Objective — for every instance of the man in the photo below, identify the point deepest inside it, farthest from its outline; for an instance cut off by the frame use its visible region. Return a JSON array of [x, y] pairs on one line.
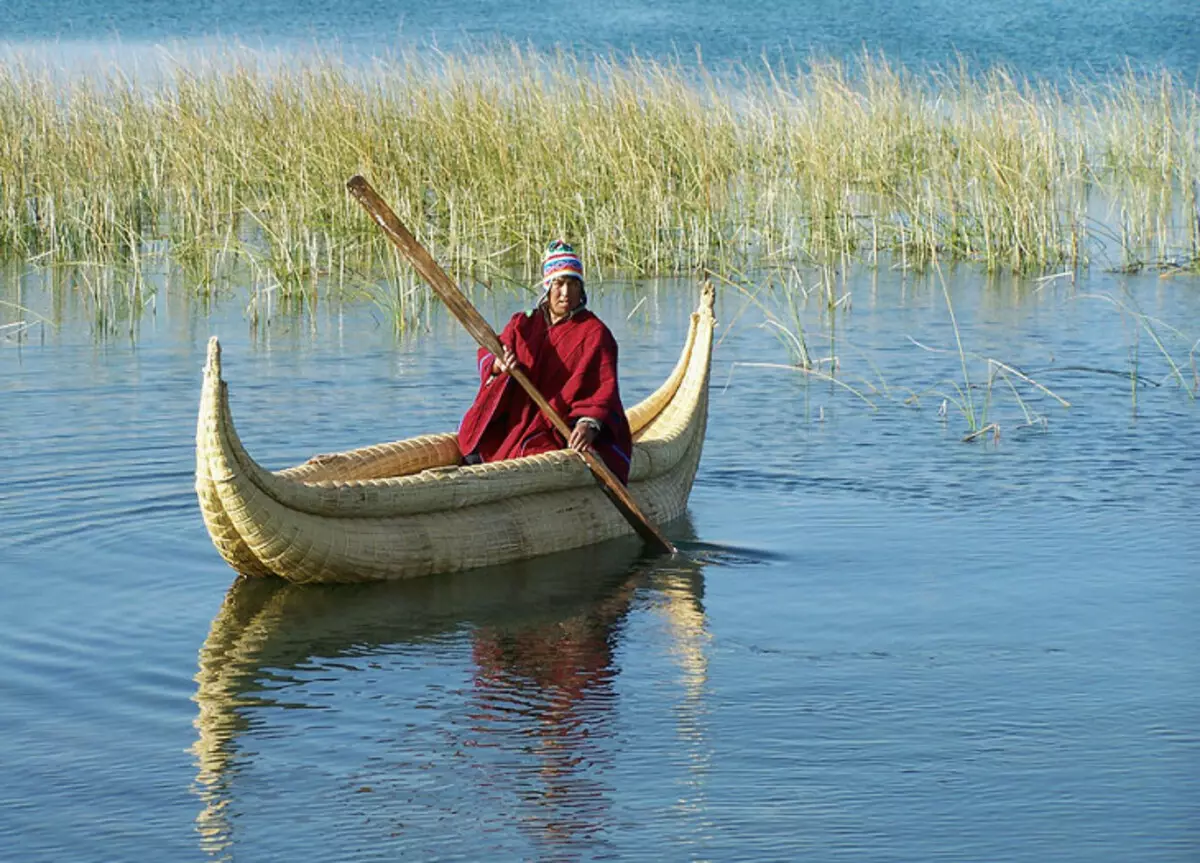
[[571, 357]]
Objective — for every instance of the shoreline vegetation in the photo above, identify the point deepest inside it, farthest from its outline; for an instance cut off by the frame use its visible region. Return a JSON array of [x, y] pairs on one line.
[[233, 173]]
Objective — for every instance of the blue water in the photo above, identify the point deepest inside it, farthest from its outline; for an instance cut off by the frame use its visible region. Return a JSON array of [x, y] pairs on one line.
[[1046, 38], [880, 643]]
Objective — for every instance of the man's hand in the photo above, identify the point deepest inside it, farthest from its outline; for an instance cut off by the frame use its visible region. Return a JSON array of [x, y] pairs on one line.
[[502, 364], [582, 436]]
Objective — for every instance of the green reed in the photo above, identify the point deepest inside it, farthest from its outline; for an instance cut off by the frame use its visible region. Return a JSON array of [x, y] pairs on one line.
[[649, 167], [978, 416], [1169, 342]]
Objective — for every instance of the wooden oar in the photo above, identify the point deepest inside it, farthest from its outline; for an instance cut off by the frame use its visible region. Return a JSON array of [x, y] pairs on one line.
[[482, 332]]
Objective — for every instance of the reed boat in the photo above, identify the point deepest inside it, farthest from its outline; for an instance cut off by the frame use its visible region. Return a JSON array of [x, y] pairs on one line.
[[409, 508]]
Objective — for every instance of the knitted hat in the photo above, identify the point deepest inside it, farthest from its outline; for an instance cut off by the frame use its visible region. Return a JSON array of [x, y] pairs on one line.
[[560, 260]]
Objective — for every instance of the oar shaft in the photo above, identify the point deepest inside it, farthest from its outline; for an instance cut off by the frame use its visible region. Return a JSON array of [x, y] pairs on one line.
[[423, 263], [609, 483], [458, 304]]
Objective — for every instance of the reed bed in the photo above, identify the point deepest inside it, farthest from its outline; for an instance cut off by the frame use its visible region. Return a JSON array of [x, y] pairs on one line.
[[650, 167]]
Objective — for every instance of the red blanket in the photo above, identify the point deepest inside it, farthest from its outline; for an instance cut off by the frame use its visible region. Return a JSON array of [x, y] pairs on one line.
[[574, 365]]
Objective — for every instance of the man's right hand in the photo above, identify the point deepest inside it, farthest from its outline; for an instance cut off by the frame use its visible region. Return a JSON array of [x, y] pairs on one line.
[[502, 364]]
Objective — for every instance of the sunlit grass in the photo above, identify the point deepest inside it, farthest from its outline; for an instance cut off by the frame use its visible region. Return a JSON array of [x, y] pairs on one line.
[[648, 167]]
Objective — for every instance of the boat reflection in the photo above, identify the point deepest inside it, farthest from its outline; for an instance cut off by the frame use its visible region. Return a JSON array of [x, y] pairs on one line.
[[539, 640]]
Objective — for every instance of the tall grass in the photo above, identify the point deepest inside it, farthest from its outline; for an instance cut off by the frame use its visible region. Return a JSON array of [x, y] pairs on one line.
[[649, 167]]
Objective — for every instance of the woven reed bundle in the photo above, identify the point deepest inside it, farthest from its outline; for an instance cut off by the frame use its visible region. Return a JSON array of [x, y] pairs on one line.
[[398, 458], [404, 509]]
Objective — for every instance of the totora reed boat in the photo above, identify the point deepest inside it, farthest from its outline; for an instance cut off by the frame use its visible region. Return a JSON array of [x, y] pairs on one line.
[[404, 509]]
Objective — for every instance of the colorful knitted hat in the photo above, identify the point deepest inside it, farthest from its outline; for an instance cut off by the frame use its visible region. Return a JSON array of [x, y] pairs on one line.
[[560, 260]]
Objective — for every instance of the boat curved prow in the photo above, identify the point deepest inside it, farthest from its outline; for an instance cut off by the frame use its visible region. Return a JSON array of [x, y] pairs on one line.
[[225, 535]]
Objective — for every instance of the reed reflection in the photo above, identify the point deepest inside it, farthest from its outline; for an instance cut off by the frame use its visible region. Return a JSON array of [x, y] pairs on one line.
[[527, 744]]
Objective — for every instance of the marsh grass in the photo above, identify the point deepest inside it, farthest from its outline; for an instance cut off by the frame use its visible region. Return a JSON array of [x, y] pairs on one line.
[[788, 294], [976, 389], [1001, 378], [649, 167], [1168, 341]]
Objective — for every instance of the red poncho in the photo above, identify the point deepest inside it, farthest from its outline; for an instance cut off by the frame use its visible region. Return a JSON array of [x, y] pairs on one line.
[[574, 365]]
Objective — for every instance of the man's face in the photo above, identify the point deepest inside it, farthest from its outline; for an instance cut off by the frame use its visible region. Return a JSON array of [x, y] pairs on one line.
[[565, 294]]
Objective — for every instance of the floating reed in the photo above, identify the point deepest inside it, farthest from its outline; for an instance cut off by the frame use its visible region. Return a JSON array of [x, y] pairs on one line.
[[651, 167]]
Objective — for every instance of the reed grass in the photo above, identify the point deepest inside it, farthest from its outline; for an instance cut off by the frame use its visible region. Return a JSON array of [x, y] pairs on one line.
[[649, 167], [976, 396], [1168, 341]]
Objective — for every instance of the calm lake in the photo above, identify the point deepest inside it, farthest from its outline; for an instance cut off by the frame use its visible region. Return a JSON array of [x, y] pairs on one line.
[[1046, 38], [880, 643]]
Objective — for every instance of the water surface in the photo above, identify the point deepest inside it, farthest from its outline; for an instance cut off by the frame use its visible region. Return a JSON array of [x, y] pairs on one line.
[[880, 644], [1044, 38]]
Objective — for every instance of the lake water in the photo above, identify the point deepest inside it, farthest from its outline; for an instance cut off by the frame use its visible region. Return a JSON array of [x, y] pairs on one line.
[[880, 643], [1049, 38]]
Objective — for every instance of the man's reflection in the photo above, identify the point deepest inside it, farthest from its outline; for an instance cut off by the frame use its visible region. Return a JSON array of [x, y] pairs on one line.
[[544, 695]]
